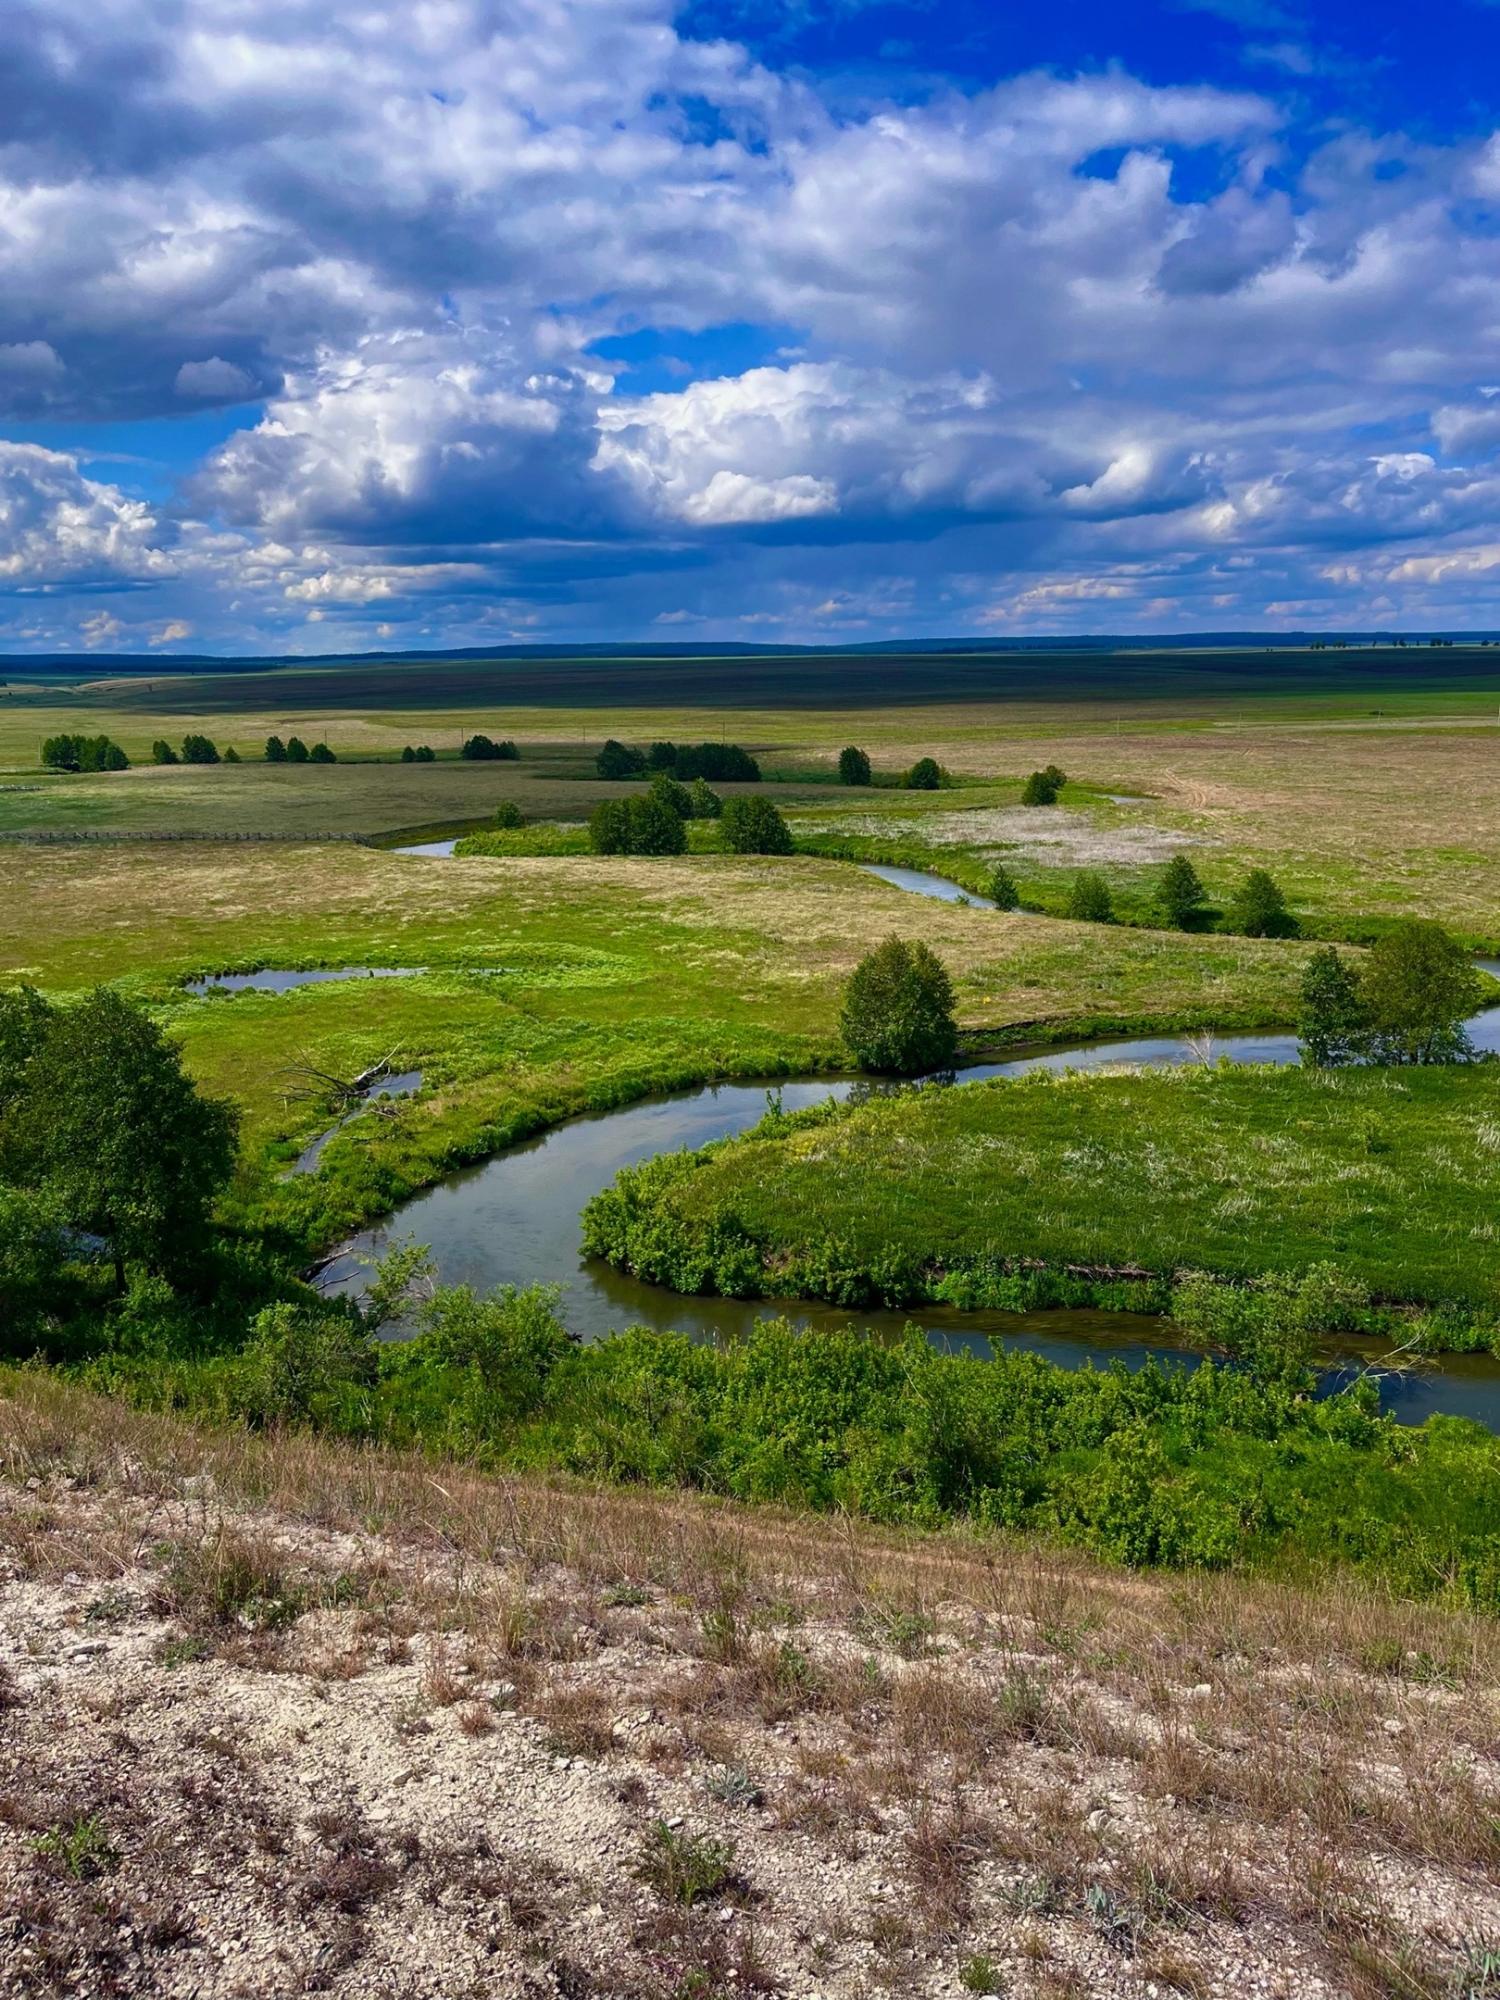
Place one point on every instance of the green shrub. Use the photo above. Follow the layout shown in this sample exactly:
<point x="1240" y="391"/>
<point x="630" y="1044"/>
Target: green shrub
<point x="302" y="1363"/>
<point x="648" y="825"/>
<point x="897" y="1016"/>
<point x="296" y="750"/>
<point x="508" y="816"/>
<point x="706" y="802"/>
<point x="321" y="754"/>
<point x="684" y="1867"/>
<point x="197" y="749"/>
<point x="926" y="775"/>
<point x="162" y="752"/>
<point x="854" y="767"/>
<point x="754" y="826"/>
<point x="1042" y="787"/>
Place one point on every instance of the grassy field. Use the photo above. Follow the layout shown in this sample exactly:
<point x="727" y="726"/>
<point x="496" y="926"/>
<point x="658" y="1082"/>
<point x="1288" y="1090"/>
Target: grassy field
<point x="553" y="984"/>
<point x="937" y="1194"/>
<point x="1362" y="780"/>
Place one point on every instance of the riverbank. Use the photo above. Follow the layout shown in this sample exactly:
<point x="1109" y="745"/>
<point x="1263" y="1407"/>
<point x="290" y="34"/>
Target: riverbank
<point x="1079" y="1189"/>
<point x="909" y="1762"/>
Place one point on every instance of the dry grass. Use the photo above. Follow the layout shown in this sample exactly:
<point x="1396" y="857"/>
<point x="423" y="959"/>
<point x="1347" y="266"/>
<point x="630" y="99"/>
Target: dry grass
<point x="626" y="1742"/>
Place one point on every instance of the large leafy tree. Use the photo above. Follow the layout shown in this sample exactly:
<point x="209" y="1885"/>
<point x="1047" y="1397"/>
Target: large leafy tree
<point x="1332" y="1023"/>
<point x="1418" y="987"/>
<point x="101" y="1114"/>
<point x="897" y="1016"/>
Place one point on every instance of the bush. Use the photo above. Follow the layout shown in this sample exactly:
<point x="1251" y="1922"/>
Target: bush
<point x="706" y="802"/>
<point x="199" y="750"/>
<point x="1042" y="787"/>
<point x="508" y="816"/>
<point x="231" y="755"/>
<point x="618" y="760"/>
<point x="854" y="767"/>
<point x="661" y="757"/>
<point x="302" y="1364"/>
<point x="485" y="750"/>
<point x="897" y="1016"/>
<point x="719" y="763"/>
<point x="1259" y="909"/>
<point x="408" y="755"/>
<point x="1180" y="894"/>
<point x="1090" y="901"/>
<point x="1004" y="893"/>
<point x="637" y="826"/>
<point x="426" y="754"/>
<point x="926" y="775"/>
<point x="754" y="826"/>
<point x="321" y="754"/>
<point x="162" y="752"/>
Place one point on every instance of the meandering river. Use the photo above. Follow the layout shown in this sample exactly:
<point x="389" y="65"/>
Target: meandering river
<point x="515" y="1221"/>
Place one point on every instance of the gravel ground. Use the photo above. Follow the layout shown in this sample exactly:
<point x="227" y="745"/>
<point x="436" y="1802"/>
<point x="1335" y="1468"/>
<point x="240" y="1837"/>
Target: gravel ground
<point x="245" y="1754"/>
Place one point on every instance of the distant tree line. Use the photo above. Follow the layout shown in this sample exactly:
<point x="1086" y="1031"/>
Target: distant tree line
<point x="485" y="750"/>
<point x="295" y="751"/>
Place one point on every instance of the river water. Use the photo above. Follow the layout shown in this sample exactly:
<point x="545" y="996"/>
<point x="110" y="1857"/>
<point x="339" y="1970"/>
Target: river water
<point x="515" y="1221"/>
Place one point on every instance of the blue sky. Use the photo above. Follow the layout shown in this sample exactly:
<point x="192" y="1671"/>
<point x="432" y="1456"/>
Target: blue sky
<point x="614" y="319"/>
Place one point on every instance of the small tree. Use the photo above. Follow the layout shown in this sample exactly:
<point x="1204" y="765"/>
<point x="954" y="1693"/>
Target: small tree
<point x="655" y="826"/>
<point x="1333" y="1023"/>
<point x="321" y="754"/>
<point x="1418" y="988"/>
<point x="162" y="752"/>
<point x="296" y="750"/>
<point x="508" y="816"/>
<point x="1040" y="790"/>
<point x="1259" y="909"/>
<point x="926" y="775"/>
<point x="426" y="754"/>
<point x="231" y="755"/>
<point x="1180" y="893"/>
<point x="114" y="758"/>
<point x="661" y="757"/>
<point x="754" y="826"/>
<point x="897" y="1016"/>
<point x="275" y="750"/>
<point x="1004" y="893"/>
<point x="706" y="802"/>
<point x="1090" y="901"/>
<point x="408" y="755"/>
<point x="619" y="760"/>
<point x="198" y="749"/>
<point x="854" y="767"/>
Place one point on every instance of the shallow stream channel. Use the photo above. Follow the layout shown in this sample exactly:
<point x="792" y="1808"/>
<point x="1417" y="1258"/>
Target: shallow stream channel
<point x="515" y="1221"/>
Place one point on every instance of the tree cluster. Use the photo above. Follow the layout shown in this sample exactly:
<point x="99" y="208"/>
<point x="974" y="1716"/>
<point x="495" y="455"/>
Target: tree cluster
<point x="715" y="763"/>
<point x="83" y="753"/>
<point x="422" y="753"/>
<point x="293" y="751"/>
<point x="485" y="750"/>
<point x="1407" y="1003"/>
<point x="754" y="826"/>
